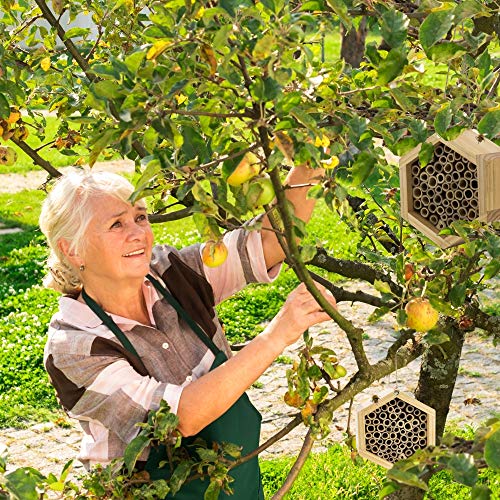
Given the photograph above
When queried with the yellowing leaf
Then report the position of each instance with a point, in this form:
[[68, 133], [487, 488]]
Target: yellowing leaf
[[180, 98], [330, 163], [45, 63], [322, 141], [157, 49], [208, 55], [285, 144]]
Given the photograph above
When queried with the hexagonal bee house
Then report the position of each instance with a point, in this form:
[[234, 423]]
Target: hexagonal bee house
[[395, 427], [461, 182]]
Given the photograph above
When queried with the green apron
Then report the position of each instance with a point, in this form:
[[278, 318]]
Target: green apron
[[240, 424]]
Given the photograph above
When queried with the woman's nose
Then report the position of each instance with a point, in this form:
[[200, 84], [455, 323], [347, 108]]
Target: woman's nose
[[136, 231]]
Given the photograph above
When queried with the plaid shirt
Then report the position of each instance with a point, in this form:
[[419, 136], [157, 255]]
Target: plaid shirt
[[101, 384]]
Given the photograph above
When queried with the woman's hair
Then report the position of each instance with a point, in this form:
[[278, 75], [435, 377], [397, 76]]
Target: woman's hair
[[66, 213]]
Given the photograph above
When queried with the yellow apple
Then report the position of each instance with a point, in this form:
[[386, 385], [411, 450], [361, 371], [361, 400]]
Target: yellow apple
[[260, 192], [339, 372], [214, 253], [421, 316], [247, 168], [8, 156]]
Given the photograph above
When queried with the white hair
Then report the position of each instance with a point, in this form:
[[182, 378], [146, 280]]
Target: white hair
[[67, 212]]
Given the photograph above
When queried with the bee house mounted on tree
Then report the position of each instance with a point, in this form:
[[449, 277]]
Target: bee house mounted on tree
[[394, 428], [460, 182]]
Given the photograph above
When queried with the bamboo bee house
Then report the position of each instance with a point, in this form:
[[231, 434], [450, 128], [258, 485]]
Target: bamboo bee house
[[394, 428], [461, 182]]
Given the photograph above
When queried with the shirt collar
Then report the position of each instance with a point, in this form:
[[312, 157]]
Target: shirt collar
[[80, 315]]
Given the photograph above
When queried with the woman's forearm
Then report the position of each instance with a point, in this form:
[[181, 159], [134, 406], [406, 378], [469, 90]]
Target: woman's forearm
[[302, 177]]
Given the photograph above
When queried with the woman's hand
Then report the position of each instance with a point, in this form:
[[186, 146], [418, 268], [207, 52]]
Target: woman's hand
[[299, 312]]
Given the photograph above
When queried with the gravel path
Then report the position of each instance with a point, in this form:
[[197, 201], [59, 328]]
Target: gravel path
[[48, 446]]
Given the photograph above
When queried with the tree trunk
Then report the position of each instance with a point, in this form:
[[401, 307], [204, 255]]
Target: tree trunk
[[438, 374], [353, 44]]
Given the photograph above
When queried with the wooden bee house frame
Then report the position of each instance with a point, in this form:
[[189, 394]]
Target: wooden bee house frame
[[461, 182], [394, 428]]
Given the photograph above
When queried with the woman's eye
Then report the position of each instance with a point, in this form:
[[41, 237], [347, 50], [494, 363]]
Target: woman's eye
[[116, 224], [142, 218]]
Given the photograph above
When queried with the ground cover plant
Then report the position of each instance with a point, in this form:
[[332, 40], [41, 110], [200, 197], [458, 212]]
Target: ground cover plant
[[200, 94]]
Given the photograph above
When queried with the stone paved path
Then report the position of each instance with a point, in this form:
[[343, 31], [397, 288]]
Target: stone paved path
[[48, 447]]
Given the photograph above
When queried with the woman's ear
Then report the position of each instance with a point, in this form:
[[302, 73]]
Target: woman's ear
[[73, 258]]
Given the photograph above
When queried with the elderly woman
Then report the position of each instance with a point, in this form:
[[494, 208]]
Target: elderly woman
[[137, 324]]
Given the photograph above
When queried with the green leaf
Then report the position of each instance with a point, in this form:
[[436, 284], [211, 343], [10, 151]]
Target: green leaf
[[467, 9], [108, 89], [76, 32], [378, 313], [213, 490], [4, 107], [23, 483], [490, 124], [394, 27], [435, 26], [134, 60], [179, 476], [340, 8], [102, 143], [133, 451], [426, 153], [491, 269], [480, 492], [382, 286], [392, 66], [435, 337], [388, 488], [457, 294], [401, 317], [492, 450], [446, 51], [442, 120], [406, 477], [463, 469], [362, 167]]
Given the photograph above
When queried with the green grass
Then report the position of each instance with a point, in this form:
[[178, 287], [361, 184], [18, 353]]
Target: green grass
[[334, 475]]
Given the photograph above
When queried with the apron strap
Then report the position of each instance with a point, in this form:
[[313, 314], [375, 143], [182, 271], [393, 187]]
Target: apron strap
[[184, 315], [108, 321]]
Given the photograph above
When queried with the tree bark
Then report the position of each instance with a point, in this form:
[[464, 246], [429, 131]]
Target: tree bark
[[353, 44], [438, 374]]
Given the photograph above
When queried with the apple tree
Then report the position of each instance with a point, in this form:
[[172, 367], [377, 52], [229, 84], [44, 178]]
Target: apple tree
[[216, 101]]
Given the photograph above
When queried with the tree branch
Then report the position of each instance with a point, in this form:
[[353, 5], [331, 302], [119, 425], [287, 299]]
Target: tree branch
[[352, 269], [171, 216], [297, 466], [37, 159], [486, 322]]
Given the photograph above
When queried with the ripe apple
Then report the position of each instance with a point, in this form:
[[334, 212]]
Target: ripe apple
[[421, 316], [247, 168], [260, 192], [214, 253], [8, 156]]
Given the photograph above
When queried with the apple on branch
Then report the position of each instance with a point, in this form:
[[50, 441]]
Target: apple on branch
[[246, 169], [420, 315], [214, 253]]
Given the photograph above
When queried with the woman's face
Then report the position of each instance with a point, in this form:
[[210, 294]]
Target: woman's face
[[118, 241]]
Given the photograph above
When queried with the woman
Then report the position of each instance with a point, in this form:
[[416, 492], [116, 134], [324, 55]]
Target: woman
[[137, 324]]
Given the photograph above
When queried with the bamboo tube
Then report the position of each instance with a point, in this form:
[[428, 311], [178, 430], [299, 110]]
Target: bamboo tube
[[424, 212], [448, 179], [455, 204], [415, 181], [449, 194], [449, 211], [425, 200], [417, 193], [462, 184], [474, 184], [459, 166], [448, 167], [456, 176], [468, 194], [440, 225], [432, 206], [440, 177], [458, 194], [462, 212], [415, 170], [472, 214], [439, 149], [470, 175], [440, 209], [432, 181], [417, 204], [434, 219], [424, 177], [430, 169], [473, 203]]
